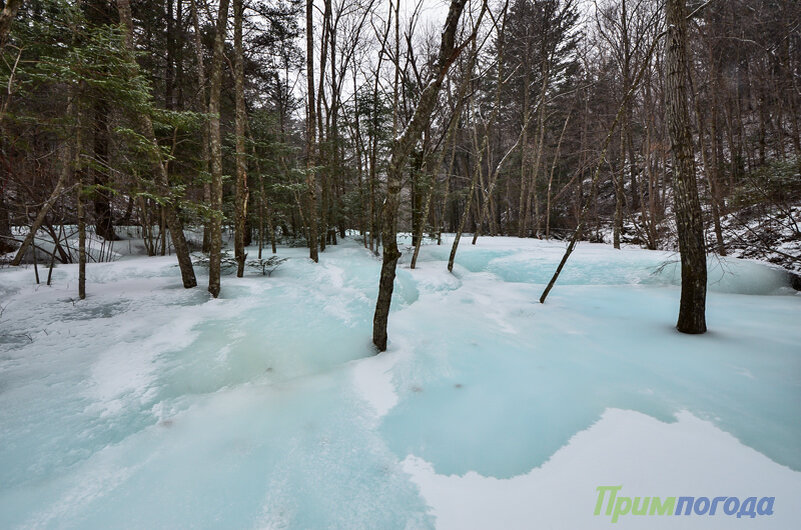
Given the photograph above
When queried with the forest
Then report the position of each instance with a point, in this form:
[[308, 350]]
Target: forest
[[261, 195]]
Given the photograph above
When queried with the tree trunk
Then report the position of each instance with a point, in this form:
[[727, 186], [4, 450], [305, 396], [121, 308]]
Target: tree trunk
[[468, 206], [446, 194], [533, 174], [163, 229], [689, 222], [81, 238], [241, 162], [417, 194], [709, 171], [215, 147], [431, 170], [311, 144], [73, 159]]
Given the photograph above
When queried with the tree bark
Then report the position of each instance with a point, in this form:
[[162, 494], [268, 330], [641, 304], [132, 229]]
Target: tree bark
[[550, 178], [81, 237], [241, 162], [689, 221], [73, 159], [709, 172], [311, 124], [533, 174], [215, 147], [618, 181]]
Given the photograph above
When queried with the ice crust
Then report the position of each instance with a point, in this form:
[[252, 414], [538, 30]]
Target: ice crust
[[150, 406]]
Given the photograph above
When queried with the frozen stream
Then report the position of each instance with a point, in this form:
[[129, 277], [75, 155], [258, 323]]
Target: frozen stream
[[151, 406]]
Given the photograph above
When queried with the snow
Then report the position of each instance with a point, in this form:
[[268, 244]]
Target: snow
[[150, 406], [604, 455]]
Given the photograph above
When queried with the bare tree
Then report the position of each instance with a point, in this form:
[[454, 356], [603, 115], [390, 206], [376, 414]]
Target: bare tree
[[402, 146], [689, 221]]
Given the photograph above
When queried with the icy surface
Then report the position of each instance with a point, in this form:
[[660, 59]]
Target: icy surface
[[151, 406]]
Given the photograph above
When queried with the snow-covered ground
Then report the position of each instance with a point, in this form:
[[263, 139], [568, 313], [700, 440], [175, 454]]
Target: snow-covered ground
[[150, 406]]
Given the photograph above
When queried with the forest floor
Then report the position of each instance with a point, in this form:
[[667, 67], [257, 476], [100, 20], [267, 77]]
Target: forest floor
[[150, 406]]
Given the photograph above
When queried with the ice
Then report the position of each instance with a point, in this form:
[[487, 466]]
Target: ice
[[150, 406], [595, 265]]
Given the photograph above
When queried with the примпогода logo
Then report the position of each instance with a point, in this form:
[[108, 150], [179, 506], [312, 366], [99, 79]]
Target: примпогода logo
[[617, 505]]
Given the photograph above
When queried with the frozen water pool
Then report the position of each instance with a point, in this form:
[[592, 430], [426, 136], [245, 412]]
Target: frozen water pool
[[151, 406]]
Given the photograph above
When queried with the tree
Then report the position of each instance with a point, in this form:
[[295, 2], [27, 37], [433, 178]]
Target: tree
[[311, 144], [241, 161], [689, 221], [215, 148], [402, 147]]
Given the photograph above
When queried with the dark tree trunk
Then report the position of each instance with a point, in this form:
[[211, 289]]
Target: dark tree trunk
[[40, 217], [311, 143], [215, 147], [81, 238], [689, 221], [241, 163]]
